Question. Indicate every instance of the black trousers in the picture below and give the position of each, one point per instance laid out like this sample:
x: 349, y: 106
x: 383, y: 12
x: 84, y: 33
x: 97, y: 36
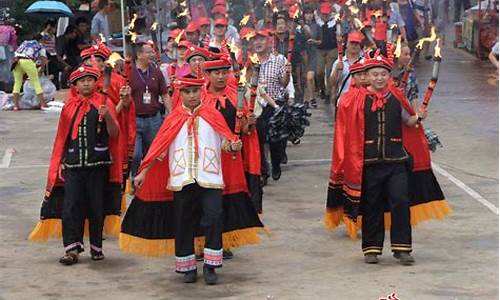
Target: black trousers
x: 187, y: 206
x: 83, y: 197
x: 385, y: 184
x: 276, y: 149
x: 458, y: 8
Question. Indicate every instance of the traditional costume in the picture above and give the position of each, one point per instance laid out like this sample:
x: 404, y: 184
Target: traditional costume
x: 241, y: 170
x: 187, y: 169
x: 126, y: 116
x: 84, y: 175
x: 380, y: 164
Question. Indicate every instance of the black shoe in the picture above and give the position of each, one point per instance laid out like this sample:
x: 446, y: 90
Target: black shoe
x: 404, y: 258
x: 209, y: 275
x: 314, y: 104
x: 327, y: 99
x: 371, y: 258
x: 276, y: 174
x: 263, y: 180
x: 227, y: 254
x: 70, y: 258
x: 199, y: 257
x: 190, y: 276
x: 284, y: 159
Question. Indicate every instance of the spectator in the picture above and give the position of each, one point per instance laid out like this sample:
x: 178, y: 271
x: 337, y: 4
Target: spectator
x: 84, y: 40
x: 67, y: 48
x: 147, y: 88
x: 100, y: 23
x: 411, y: 22
x: 327, y: 44
x: 493, y: 56
x: 459, y: 4
x: 8, y: 42
x: 55, y: 61
x: 27, y: 56
x: 311, y: 30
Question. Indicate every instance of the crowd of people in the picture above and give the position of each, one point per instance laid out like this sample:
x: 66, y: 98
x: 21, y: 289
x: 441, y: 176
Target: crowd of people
x: 198, y: 128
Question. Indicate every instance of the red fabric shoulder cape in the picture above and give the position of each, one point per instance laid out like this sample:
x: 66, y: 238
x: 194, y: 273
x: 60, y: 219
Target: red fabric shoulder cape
x: 154, y: 187
x: 414, y: 141
x: 64, y: 130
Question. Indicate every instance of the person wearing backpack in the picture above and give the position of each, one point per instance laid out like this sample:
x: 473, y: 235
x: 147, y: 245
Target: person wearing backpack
x: 26, y: 58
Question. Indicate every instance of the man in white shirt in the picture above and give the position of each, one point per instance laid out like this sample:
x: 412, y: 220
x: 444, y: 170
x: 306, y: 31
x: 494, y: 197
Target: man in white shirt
x: 100, y: 23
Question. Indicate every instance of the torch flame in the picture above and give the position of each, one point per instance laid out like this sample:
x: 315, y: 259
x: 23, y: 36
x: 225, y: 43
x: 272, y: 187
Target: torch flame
x: 133, y: 37
x: 243, y: 77
x: 154, y: 26
x: 103, y: 39
x: 113, y: 58
x: 429, y: 39
x: 364, y: 1
x: 275, y: 9
x: 354, y: 10
x: 248, y: 36
x: 397, y: 51
x: 185, y: 12
x: 132, y: 22
x: 183, y: 4
x: 244, y: 20
x: 358, y: 23
x: 254, y: 58
x: 296, y: 14
x: 178, y: 37
x: 233, y: 47
x: 393, y: 26
x: 268, y: 2
x: 437, y: 50
x: 336, y: 18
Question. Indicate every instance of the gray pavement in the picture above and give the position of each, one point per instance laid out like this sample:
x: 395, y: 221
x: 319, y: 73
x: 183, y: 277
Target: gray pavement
x: 455, y: 259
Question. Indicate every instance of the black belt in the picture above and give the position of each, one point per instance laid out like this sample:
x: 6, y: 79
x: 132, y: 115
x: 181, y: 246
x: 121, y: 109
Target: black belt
x: 147, y: 116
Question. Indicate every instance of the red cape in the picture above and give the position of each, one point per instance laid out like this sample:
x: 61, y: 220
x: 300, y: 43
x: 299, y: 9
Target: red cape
x: 154, y: 187
x: 64, y: 130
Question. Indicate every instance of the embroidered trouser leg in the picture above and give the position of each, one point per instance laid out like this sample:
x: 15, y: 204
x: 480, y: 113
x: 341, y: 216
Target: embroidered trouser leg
x: 186, y: 204
x: 96, y: 180
x: 83, y: 198
x: 74, y: 209
x: 382, y: 183
x: 399, y: 203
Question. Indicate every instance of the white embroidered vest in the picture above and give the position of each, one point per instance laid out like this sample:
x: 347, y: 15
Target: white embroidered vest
x: 185, y: 168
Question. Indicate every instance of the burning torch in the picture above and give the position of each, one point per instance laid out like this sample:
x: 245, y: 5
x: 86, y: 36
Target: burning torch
x: 434, y: 77
x: 418, y: 48
x: 339, y: 34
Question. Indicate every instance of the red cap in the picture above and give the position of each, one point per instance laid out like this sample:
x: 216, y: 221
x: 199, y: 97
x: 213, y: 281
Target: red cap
x: 378, y: 61
x: 262, y: 32
x: 198, y: 51
x: 219, y: 9
x: 175, y: 33
x: 192, y: 27
x: 83, y: 71
x: 221, y: 63
x: 220, y: 2
x: 99, y: 50
x: 357, y: 67
x: 184, y: 82
x: 184, y: 43
x: 355, y: 37
x: 203, y: 21
x: 325, y: 8
x: 247, y: 33
x: 221, y: 21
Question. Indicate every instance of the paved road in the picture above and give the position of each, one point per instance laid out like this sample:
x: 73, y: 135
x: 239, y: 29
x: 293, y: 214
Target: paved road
x: 456, y: 258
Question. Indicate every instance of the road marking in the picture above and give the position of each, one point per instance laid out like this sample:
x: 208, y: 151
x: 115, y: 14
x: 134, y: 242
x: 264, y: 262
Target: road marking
x: 7, y: 158
x: 466, y: 188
